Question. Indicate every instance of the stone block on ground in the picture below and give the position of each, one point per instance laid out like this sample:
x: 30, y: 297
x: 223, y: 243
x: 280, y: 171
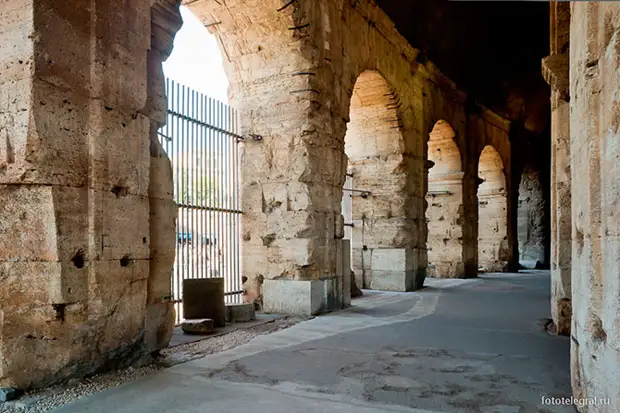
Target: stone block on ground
x: 355, y: 291
x: 204, y: 298
x: 7, y: 394
x: 198, y: 327
x: 239, y: 313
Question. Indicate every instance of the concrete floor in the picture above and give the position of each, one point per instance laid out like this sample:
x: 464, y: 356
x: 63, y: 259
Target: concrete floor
x: 471, y: 346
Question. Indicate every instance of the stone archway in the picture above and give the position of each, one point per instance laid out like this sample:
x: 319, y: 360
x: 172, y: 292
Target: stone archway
x: 382, y: 257
x: 444, y: 214
x: 492, y: 212
x: 531, y: 229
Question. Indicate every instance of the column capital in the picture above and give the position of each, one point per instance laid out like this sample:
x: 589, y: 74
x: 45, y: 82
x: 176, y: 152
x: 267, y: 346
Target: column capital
x: 555, y: 70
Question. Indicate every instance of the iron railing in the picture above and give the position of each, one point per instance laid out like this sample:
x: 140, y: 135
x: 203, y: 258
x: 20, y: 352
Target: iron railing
x: 201, y: 139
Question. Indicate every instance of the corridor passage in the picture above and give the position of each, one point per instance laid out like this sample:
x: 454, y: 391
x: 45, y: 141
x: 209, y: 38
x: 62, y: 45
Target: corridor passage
x: 474, y: 346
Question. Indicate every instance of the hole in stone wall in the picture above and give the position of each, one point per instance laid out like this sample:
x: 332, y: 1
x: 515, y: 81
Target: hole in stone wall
x: 120, y: 191
x: 60, y: 311
x: 125, y: 261
x: 78, y: 260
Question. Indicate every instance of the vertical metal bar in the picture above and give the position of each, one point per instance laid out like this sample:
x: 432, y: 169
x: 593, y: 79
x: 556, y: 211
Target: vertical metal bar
x: 192, y: 178
x: 237, y: 208
x: 200, y: 246
x: 179, y: 246
x: 220, y: 176
x: 233, y: 149
x: 185, y: 182
x: 228, y: 202
x: 205, y: 192
x: 211, y: 193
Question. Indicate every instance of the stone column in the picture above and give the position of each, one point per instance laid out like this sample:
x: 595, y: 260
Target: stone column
x: 292, y: 163
x: 595, y: 195
x: 556, y: 72
x: 445, y: 220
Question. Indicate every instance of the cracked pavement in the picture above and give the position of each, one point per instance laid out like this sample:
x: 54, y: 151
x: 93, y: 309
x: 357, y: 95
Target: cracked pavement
x: 471, y: 346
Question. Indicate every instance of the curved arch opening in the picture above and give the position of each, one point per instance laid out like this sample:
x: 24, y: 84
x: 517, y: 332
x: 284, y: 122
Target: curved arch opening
x: 204, y: 164
x: 492, y: 212
x: 374, y: 194
x: 445, y: 204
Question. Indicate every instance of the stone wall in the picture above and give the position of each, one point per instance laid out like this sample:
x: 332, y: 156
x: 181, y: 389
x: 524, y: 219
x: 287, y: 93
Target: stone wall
x: 595, y: 183
x: 293, y: 68
x: 531, y: 219
x: 81, y: 98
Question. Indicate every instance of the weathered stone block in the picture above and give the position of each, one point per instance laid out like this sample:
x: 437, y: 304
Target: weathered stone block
x: 204, y: 298
x: 7, y: 394
x: 239, y: 313
x: 386, y: 280
x: 305, y: 298
x: 159, y: 325
x: 198, y: 327
x: 393, y: 259
x: 120, y: 212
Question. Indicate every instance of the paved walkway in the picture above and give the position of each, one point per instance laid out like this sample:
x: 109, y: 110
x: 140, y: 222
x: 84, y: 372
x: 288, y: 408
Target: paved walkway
x: 471, y: 346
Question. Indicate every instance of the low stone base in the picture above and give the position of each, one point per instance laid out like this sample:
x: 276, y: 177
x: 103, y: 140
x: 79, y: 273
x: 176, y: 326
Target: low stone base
x: 240, y: 313
x: 399, y: 281
x: 198, y: 327
x: 303, y: 298
x: 445, y: 269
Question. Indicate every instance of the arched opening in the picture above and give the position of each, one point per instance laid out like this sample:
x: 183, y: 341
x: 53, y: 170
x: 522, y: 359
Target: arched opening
x: 374, y: 197
x: 492, y: 212
x: 198, y: 137
x: 445, y: 204
x: 532, y: 231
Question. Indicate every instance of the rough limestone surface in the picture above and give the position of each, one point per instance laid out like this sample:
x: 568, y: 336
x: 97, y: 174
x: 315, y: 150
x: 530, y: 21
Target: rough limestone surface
x: 198, y: 327
x: 531, y: 213
x: 595, y: 196
x: 81, y: 98
x: 238, y: 313
x: 492, y: 212
x: 299, y: 72
x: 445, y: 212
x: 556, y: 73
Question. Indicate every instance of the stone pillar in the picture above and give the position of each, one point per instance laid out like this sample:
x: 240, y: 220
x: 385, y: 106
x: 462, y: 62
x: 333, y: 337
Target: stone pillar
x: 595, y: 182
x: 292, y: 162
x: 556, y: 73
x: 470, y: 220
x: 75, y: 163
x: 494, y: 248
x: 445, y: 220
x: 445, y: 212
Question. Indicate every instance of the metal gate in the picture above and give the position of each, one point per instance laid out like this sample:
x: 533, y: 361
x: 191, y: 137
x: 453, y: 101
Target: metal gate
x: 201, y: 139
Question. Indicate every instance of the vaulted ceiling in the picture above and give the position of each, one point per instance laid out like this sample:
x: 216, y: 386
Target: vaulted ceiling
x: 492, y: 49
